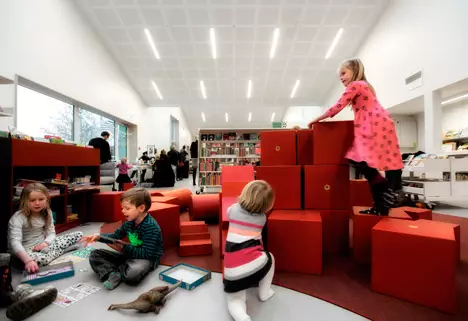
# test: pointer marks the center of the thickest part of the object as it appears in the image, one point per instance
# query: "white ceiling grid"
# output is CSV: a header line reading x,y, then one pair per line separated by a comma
x,y
244,32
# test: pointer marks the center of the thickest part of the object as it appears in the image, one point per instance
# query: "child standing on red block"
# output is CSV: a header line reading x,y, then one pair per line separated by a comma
x,y
375,145
246,263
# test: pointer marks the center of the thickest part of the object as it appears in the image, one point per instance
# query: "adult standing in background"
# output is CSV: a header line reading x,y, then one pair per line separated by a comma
x,y
174,159
194,156
103,146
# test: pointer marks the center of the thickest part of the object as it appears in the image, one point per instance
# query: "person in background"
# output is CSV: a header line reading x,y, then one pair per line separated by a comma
x,y
183,164
375,146
145,159
194,156
103,146
123,167
163,175
174,159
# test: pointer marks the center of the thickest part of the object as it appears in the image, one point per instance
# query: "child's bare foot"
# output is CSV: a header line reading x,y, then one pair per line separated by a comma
x,y
265,296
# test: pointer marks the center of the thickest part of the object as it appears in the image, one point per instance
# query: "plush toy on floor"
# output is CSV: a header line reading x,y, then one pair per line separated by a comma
x,y
151,301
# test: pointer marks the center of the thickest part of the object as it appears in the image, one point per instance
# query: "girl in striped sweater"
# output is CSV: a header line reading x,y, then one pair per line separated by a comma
x,y
246,263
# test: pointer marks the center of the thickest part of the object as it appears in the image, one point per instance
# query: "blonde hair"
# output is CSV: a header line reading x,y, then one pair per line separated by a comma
x,y
357,68
257,197
123,160
46,212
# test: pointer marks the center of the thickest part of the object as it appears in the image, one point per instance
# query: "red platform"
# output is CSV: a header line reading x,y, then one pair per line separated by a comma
x,y
193,227
362,231
335,230
194,239
305,147
360,193
106,207
286,183
278,147
165,199
331,142
295,240
326,187
182,195
415,261
168,218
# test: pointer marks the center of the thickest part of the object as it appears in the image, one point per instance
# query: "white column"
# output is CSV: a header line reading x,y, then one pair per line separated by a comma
x,y
432,122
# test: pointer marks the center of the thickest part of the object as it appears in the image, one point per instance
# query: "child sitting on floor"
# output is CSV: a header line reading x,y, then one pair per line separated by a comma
x,y
246,263
123,177
31,231
140,257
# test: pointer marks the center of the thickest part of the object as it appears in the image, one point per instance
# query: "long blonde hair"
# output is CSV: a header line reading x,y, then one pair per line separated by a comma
x,y
257,197
46,213
357,68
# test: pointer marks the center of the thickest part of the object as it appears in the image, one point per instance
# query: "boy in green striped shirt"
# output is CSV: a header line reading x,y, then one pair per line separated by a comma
x,y
139,257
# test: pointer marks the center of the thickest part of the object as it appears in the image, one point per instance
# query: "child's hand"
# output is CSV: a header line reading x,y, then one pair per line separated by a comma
x,y
89,239
39,247
31,267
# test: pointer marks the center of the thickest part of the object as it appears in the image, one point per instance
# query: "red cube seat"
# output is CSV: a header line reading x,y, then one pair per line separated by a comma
x,y
168,218
332,139
362,231
278,147
415,261
305,147
335,230
295,240
286,184
106,207
360,193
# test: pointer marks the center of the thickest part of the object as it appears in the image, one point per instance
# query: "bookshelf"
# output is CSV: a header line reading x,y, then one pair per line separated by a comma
x,y
225,147
71,173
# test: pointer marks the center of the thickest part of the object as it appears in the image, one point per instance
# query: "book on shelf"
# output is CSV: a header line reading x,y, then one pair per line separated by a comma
x,y
210,179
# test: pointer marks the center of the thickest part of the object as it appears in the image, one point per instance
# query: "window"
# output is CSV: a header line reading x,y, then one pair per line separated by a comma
x,y
91,125
40,115
121,141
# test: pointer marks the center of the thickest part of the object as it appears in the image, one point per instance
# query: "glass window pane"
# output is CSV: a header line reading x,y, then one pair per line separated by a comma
x,y
92,125
40,115
122,141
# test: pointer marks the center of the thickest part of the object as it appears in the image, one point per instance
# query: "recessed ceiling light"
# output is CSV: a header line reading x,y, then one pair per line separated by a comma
x,y
334,43
250,117
274,42
157,90
273,116
227,117
213,43
249,89
203,116
151,43
296,85
203,89
454,99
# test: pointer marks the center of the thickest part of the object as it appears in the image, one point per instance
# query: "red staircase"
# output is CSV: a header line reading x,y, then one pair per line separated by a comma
x,y
195,239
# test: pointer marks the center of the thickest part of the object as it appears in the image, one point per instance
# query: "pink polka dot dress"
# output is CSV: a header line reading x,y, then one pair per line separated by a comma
x,y
375,139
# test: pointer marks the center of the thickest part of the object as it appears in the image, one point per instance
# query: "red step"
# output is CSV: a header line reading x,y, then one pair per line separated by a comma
x,y
194,236
195,247
193,227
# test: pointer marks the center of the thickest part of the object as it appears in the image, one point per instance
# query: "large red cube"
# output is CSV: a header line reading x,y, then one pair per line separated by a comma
x,y
362,231
295,240
168,218
360,193
106,207
335,230
286,183
278,147
415,261
326,187
331,142
305,147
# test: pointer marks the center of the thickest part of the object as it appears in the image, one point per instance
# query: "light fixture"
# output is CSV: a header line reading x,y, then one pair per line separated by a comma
x,y
203,90
157,90
454,99
227,117
334,43
203,116
249,89
213,43
296,85
152,45
273,116
274,43
250,117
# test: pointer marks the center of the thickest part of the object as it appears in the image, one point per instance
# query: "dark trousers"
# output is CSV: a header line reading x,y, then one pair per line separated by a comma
x,y
394,179
377,183
104,262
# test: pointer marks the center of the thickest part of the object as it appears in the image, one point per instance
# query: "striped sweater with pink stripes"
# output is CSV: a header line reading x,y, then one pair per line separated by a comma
x,y
245,261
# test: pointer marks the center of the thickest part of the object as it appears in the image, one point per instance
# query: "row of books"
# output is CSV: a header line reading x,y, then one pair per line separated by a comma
x,y
229,136
210,179
209,165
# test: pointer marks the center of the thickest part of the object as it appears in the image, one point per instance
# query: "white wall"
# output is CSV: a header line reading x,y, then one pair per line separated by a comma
x,y
421,131
155,128
50,43
301,115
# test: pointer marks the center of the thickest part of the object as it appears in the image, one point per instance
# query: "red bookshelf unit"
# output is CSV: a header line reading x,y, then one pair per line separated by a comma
x,y
41,161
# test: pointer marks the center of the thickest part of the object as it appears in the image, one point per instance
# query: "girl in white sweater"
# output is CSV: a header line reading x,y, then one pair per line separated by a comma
x,y
31,231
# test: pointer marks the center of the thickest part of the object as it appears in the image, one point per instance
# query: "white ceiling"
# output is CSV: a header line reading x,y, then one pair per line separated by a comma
x,y
244,31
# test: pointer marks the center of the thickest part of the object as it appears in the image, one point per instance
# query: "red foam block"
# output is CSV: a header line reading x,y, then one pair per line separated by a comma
x,y
286,183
